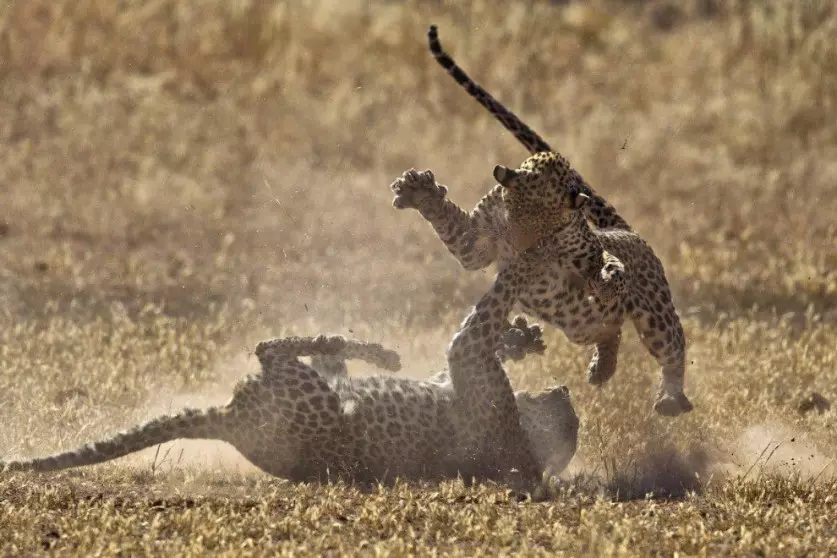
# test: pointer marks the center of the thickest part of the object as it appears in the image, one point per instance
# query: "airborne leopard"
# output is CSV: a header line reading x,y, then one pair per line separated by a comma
x,y
508,219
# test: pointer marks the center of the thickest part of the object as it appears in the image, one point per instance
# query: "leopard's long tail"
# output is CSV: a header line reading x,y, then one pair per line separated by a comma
x,y
335,346
524,134
187,424
598,210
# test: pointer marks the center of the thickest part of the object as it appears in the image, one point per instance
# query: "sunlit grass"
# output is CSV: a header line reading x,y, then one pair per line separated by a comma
x,y
180,181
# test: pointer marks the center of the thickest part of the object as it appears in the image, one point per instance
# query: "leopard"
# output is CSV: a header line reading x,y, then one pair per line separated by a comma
x,y
315,423
528,206
598,210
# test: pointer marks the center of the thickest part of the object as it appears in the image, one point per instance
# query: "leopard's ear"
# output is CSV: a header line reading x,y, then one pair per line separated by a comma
x,y
505,176
557,393
579,200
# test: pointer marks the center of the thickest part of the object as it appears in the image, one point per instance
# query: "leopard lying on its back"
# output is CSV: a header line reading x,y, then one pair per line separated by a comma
x,y
508,219
316,423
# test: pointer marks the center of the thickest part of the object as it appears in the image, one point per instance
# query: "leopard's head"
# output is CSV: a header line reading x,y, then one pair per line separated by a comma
x,y
550,423
543,195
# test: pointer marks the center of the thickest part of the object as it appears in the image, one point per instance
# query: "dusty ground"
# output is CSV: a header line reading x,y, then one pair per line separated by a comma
x,y
180,180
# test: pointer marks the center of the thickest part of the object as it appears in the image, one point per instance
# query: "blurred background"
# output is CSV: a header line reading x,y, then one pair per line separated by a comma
x,y
182,179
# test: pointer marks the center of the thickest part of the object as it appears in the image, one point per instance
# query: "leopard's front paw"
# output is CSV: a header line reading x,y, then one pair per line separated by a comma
x,y
416,190
522,339
612,272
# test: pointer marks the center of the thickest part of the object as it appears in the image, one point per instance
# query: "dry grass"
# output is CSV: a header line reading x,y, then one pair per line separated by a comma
x,y
181,180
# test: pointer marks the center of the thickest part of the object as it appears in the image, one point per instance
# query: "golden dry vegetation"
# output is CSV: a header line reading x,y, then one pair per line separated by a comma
x,y
182,179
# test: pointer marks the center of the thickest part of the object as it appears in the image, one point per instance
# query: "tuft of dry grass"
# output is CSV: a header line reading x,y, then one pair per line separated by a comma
x,y
182,180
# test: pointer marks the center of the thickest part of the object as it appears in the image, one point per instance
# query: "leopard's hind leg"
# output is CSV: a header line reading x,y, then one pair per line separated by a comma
x,y
658,325
603,364
328,353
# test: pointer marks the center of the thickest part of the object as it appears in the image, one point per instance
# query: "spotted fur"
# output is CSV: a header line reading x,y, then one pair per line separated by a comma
x,y
598,210
587,281
307,423
507,220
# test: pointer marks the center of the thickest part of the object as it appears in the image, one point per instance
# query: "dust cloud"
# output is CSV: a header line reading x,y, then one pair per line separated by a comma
x,y
419,361
663,470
